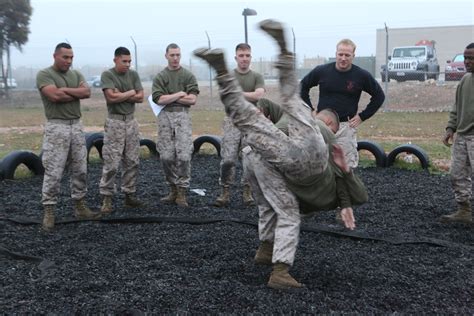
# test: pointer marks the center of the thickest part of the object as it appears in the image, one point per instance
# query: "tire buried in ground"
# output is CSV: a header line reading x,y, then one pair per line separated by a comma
x,y
375,149
10,163
151,145
409,149
94,140
211,139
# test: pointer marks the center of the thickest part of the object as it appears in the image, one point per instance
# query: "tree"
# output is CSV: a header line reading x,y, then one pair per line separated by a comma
x,y
14,29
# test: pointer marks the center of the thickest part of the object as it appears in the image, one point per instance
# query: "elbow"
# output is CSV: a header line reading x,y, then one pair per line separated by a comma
x,y
54,99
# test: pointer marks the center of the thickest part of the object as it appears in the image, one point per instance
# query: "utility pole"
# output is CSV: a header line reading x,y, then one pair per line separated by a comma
x,y
294,49
136,55
386,68
210,69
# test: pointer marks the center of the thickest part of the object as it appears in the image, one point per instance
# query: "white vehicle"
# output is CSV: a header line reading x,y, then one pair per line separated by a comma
x,y
94,81
416,62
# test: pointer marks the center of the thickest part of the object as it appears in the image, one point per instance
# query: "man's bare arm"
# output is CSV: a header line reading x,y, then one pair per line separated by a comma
x,y
115,96
189,99
138,97
81,92
170,98
55,94
255,95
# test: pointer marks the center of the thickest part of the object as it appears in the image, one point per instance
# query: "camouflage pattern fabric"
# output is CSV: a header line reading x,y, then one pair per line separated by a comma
x,y
121,144
272,158
230,146
175,145
346,136
64,148
461,167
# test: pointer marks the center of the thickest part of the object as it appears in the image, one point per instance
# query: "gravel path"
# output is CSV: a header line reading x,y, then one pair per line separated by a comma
x,y
400,259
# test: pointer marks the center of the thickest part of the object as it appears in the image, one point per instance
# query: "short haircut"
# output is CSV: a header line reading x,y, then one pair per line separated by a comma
x,y
171,46
470,46
347,41
121,51
328,112
62,45
243,46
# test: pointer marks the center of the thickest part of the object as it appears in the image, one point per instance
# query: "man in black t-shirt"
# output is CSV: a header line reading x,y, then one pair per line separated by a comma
x,y
340,86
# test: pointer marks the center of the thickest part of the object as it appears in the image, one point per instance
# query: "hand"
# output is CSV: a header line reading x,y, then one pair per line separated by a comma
x,y
447,137
339,159
347,215
355,121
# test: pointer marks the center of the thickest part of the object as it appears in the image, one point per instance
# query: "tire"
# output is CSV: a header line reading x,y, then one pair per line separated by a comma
x,y
375,149
94,140
151,145
212,139
410,149
10,162
424,76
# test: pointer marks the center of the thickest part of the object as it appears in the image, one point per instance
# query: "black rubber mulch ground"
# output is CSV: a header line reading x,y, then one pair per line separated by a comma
x,y
423,266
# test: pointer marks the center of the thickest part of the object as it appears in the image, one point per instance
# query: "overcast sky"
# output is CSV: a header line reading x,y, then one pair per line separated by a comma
x,y
96,27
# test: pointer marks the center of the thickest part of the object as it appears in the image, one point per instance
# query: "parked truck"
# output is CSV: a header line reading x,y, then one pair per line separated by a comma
x,y
418,62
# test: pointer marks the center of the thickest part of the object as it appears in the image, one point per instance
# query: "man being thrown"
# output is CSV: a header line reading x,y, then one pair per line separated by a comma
x,y
289,173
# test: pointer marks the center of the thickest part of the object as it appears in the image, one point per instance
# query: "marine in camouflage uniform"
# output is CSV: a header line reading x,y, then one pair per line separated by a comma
x,y
285,170
122,89
461,122
176,88
253,87
64,145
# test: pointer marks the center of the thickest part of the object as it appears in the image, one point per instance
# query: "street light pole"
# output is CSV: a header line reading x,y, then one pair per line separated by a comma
x,y
246,13
136,56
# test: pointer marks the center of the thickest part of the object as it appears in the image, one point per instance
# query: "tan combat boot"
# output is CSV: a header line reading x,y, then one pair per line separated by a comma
x,y
275,30
264,253
224,198
281,279
215,59
463,214
181,197
48,218
82,211
106,204
132,201
171,197
247,195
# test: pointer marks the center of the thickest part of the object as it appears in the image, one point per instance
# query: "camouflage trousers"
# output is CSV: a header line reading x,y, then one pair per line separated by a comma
x,y
461,167
346,136
64,148
272,158
121,144
175,145
230,146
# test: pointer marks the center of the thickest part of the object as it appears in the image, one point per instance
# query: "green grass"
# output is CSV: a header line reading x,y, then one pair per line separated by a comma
x,y
22,129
